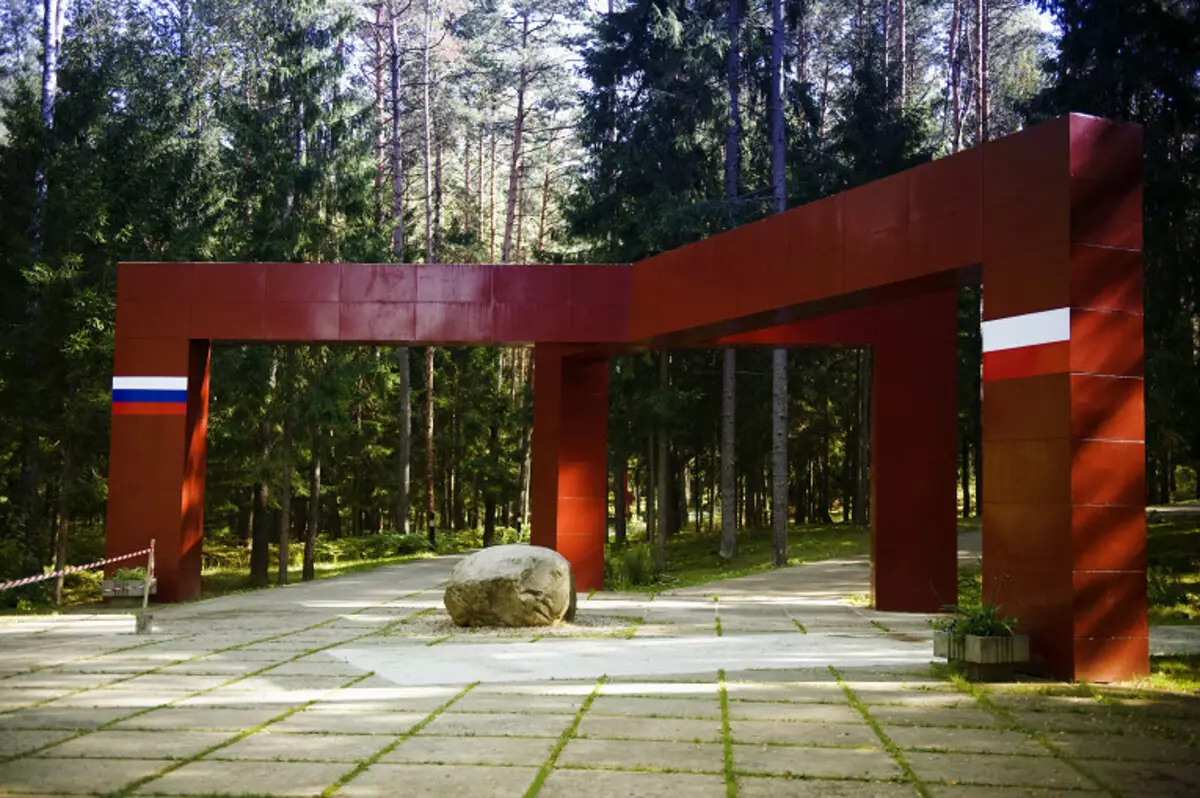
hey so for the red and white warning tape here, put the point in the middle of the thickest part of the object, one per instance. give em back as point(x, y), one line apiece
point(29, 580)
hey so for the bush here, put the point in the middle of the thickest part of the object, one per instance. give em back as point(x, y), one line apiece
point(983, 621)
point(1163, 588)
point(631, 566)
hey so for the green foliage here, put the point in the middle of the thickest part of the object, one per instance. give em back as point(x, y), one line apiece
point(631, 566)
point(130, 574)
point(985, 620)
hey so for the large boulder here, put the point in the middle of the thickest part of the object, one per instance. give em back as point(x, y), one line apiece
point(511, 586)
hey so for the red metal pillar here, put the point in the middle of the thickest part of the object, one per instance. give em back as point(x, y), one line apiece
point(1063, 411)
point(914, 427)
point(570, 460)
point(157, 457)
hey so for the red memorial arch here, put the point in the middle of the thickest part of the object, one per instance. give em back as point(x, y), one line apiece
point(1049, 220)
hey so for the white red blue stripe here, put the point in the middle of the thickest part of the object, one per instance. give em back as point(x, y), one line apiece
point(150, 395)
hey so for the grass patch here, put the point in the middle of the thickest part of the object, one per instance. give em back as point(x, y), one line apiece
point(226, 580)
point(1173, 571)
point(563, 739)
point(693, 558)
point(889, 745)
point(731, 783)
point(1178, 673)
point(800, 626)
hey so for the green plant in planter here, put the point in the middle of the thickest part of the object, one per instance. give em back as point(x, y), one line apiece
point(129, 574)
point(983, 621)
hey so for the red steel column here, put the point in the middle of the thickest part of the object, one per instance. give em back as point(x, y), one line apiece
point(570, 460)
point(156, 457)
point(914, 428)
point(1063, 408)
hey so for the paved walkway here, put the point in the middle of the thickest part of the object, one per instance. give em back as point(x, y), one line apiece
point(769, 685)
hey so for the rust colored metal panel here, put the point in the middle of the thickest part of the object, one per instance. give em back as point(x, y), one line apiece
point(154, 282)
point(947, 186)
point(303, 282)
point(1107, 408)
point(227, 320)
point(1106, 342)
point(529, 322)
point(1108, 473)
point(301, 321)
point(1103, 278)
point(1026, 282)
point(1027, 471)
point(454, 322)
point(153, 319)
point(230, 282)
point(1106, 213)
point(1110, 604)
point(373, 282)
point(1029, 409)
point(1105, 150)
point(1109, 538)
point(945, 243)
point(1026, 191)
point(147, 455)
point(599, 304)
point(583, 468)
point(536, 285)
point(877, 206)
point(1111, 659)
point(547, 435)
point(876, 259)
point(914, 431)
point(377, 322)
point(136, 356)
point(194, 469)
point(454, 283)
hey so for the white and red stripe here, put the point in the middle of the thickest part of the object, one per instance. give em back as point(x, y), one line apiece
point(29, 580)
point(1028, 345)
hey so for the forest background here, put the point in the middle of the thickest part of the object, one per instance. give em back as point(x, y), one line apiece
point(521, 131)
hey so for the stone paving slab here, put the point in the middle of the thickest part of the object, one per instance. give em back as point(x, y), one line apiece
point(643, 755)
point(977, 791)
point(791, 712)
point(74, 776)
point(833, 735)
point(14, 743)
point(996, 770)
point(1150, 778)
point(498, 725)
point(49, 717)
point(959, 716)
point(815, 762)
point(1132, 746)
point(282, 747)
point(750, 787)
point(179, 718)
point(392, 723)
point(656, 707)
point(605, 783)
point(137, 745)
point(977, 741)
point(535, 704)
point(129, 700)
point(499, 751)
point(1102, 721)
point(207, 777)
point(676, 729)
point(477, 782)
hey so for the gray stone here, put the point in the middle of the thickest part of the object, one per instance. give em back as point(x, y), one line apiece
point(751, 787)
point(207, 777)
point(576, 783)
point(25, 741)
point(981, 741)
point(498, 725)
point(643, 755)
point(833, 735)
point(678, 729)
point(137, 745)
point(997, 770)
point(531, 751)
point(814, 762)
point(74, 776)
point(305, 747)
point(476, 782)
point(511, 586)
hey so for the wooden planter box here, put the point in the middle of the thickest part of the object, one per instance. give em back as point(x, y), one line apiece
point(126, 588)
point(987, 658)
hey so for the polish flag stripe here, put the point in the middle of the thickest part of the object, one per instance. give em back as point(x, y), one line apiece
point(1029, 345)
point(1030, 329)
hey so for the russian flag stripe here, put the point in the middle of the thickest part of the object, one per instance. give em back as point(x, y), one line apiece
point(150, 383)
point(1030, 329)
point(131, 395)
point(149, 409)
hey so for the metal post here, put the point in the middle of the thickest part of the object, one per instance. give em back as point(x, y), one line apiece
point(142, 623)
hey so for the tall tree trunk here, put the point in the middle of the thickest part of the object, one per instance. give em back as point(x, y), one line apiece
point(64, 519)
point(380, 116)
point(397, 145)
point(955, 72)
point(285, 488)
point(902, 51)
point(520, 225)
point(966, 476)
point(479, 191)
point(887, 43)
point(492, 201)
point(430, 461)
point(542, 215)
point(779, 359)
point(428, 139)
point(728, 472)
point(404, 449)
point(984, 110)
point(259, 543)
point(979, 98)
point(514, 172)
point(314, 510)
point(437, 201)
point(733, 129)
point(862, 497)
point(621, 532)
point(467, 181)
point(662, 512)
